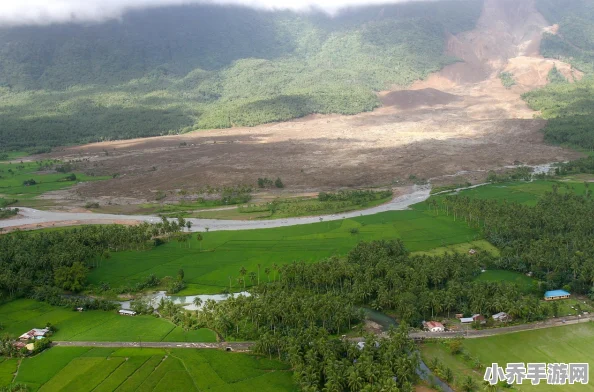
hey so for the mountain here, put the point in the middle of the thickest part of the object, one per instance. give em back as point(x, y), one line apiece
point(172, 70)
point(568, 107)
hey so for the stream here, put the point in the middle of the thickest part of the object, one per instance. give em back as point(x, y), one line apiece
point(186, 301)
point(386, 322)
point(30, 216)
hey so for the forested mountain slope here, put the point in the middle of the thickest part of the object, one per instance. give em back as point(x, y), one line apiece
point(172, 70)
point(574, 40)
point(569, 107)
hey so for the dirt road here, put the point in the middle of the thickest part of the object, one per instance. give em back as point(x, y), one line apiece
point(470, 334)
point(245, 346)
point(234, 346)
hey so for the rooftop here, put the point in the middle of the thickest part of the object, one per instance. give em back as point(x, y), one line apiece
point(556, 293)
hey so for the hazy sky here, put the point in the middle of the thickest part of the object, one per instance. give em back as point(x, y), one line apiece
point(16, 12)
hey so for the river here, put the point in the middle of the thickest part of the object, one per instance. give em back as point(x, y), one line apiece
point(30, 216)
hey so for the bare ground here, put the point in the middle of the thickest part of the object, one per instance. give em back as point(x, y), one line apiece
point(459, 120)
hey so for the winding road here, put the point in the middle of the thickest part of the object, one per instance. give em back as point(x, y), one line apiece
point(32, 217)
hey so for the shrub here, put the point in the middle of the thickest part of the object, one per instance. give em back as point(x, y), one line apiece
point(455, 346)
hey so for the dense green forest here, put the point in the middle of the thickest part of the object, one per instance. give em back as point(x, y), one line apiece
point(574, 42)
point(569, 107)
point(552, 240)
point(172, 70)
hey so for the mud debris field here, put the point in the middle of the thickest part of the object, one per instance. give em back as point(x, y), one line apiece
point(459, 120)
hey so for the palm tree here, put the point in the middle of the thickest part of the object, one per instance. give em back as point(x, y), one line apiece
point(487, 387)
point(197, 302)
point(199, 239)
point(267, 272)
point(469, 384)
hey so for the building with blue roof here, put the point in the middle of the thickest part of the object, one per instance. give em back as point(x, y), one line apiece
point(555, 295)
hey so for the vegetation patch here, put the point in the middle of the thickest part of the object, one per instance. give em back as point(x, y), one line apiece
point(326, 203)
point(524, 283)
point(26, 180)
point(507, 79)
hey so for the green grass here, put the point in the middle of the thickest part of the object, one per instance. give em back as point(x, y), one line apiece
point(11, 155)
point(21, 315)
point(133, 369)
point(571, 343)
point(8, 367)
point(565, 307)
point(525, 283)
point(464, 247)
point(12, 176)
point(526, 193)
point(224, 253)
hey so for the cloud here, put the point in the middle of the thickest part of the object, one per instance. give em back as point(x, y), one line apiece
point(26, 12)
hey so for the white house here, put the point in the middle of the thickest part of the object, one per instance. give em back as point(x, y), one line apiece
point(501, 316)
point(433, 326)
point(35, 333)
point(127, 312)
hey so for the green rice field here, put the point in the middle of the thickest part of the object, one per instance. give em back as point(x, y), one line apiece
point(19, 316)
point(84, 369)
point(209, 264)
point(521, 192)
point(566, 344)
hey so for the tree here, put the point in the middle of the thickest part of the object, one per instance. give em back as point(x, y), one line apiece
point(180, 274)
point(189, 225)
point(455, 346)
point(71, 278)
point(197, 302)
point(468, 385)
point(199, 239)
point(278, 183)
point(243, 272)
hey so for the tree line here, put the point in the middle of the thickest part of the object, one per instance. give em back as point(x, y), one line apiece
point(63, 258)
point(552, 240)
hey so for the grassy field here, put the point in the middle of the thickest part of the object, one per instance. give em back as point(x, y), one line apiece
point(521, 192)
point(288, 208)
point(525, 283)
point(12, 176)
point(10, 155)
point(225, 253)
point(464, 247)
point(82, 369)
point(20, 316)
point(572, 343)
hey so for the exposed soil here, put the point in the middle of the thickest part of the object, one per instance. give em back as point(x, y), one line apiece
point(459, 120)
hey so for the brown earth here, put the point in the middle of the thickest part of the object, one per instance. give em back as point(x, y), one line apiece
point(459, 120)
